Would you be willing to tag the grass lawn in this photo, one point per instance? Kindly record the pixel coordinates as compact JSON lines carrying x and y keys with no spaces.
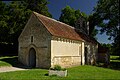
{"x":4,"y":63}
{"x":115,"y":62}
{"x":114,"y":58}
{"x":8,"y":61}
{"x":80,"y":72}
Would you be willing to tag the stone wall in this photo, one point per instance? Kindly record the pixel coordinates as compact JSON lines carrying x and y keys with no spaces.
{"x":35,"y":36}
{"x":92,"y":51}
{"x":67,"y":61}
{"x":65,"y":52}
{"x":51,"y":50}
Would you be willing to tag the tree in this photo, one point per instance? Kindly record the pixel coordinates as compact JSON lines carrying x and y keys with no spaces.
{"x":14,"y":16}
{"x":39,"y":6}
{"x":107,"y":12}
{"x":92,"y":23}
{"x":108,"y":46}
{"x":13,"y":20}
{"x":70,"y":16}
{"x":116,"y":45}
{"x":106,"y":15}
{"x":3,"y":23}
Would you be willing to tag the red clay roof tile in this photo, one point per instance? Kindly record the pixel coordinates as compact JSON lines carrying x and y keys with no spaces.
{"x":59,"y":29}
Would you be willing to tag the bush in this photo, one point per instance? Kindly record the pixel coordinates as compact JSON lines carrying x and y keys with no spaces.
{"x":58,"y":68}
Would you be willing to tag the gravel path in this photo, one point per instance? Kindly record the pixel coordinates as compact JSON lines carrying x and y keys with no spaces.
{"x":7,"y":69}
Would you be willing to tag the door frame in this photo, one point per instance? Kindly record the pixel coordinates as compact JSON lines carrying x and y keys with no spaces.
{"x":33,"y":56}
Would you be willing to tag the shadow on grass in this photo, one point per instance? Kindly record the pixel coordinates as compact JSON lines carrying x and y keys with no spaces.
{"x":14,"y":62}
{"x":115,"y":65}
{"x":111,"y":65}
{"x":46,"y":74}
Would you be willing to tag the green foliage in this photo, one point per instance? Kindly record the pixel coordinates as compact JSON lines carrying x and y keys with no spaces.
{"x":74,"y":73}
{"x":69,"y":15}
{"x":3,"y":24}
{"x":92,"y":22}
{"x":116,"y":45}
{"x":39,"y":6}
{"x":2,"y":63}
{"x":14,"y":16}
{"x":9,"y":61}
{"x":58,"y":68}
{"x":114,"y":58}
{"x":115,"y":62}
{"x":106,"y":16}
{"x":109,"y":47}
{"x":93,"y":33}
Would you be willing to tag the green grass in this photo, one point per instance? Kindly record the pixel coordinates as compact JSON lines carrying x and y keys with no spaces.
{"x":4,"y":63}
{"x":114,"y":58}
{"x":80,"y":72}
{"x":115,"y":62}
{"x":9,"y":61}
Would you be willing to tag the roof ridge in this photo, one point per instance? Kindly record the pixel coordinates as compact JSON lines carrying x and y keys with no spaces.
{"x":60,"y":29}
{"x":53,"y":20}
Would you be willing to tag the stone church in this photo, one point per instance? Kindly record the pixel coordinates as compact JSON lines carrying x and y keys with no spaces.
{"x":45,"y":42}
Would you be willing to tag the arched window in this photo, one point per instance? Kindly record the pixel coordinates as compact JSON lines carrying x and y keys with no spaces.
{"x":31,"y":38}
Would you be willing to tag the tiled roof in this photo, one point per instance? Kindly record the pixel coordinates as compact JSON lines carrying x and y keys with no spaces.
{"x":87,"y":38}
{"x":59,"y":29}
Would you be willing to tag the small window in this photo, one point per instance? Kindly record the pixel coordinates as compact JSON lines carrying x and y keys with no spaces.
{"x":84,"y":24}
{"x":31,"y":38}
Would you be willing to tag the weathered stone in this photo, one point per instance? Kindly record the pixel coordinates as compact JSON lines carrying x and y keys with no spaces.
{"x":48,"y":49}
{"x":58,"y":73}
{"x":41,"y":43}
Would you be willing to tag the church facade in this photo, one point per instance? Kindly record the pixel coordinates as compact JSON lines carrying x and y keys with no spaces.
{"x":45,"y":42}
